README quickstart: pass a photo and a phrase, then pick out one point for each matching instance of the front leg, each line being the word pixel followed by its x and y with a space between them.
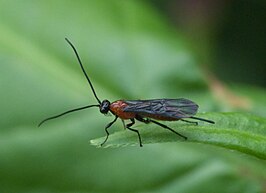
pixel 106 127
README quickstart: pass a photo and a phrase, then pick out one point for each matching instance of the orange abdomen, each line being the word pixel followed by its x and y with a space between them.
pixel 117 109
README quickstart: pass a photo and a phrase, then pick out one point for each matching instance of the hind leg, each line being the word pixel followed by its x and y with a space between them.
pixel 147 121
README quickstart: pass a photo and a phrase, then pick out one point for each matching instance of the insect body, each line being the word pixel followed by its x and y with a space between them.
pixel 146 111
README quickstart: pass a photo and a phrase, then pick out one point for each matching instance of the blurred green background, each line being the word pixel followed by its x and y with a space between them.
pixel 210 52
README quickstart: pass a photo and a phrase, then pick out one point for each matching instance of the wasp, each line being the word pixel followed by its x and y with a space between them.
pixel 146 111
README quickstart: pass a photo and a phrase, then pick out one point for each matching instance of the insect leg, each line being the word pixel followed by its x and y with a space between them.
pixel 124 125
pixel 201 119
pixel 129 125
pixel 106 127
pixel 139 118
pixel 193 122
pixel 166 127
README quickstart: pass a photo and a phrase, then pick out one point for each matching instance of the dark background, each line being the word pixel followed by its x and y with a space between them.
pixel 229 35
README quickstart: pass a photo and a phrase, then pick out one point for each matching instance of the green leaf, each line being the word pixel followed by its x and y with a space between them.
pixel 236 131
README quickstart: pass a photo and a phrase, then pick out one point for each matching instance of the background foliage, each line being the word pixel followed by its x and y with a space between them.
pixel 130 51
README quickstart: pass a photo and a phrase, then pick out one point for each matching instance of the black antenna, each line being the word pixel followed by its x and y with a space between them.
pixel 83 70
pixel 69 111
pixel 80 108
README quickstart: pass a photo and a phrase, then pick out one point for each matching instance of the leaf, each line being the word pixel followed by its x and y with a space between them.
pixel 236 131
